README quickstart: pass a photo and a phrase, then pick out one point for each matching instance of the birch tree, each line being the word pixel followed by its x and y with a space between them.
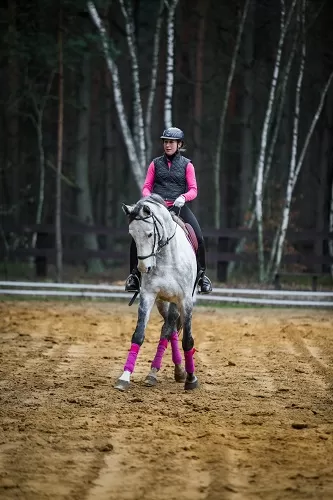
pixel 137 140
pixel 293 176
pixel 135 156
pixel 280 234
pixel 220 137
pixel 170 64
pixel 139 132
pixel 275 128
pixel 36 118
pixel 153 78
pixel 284 24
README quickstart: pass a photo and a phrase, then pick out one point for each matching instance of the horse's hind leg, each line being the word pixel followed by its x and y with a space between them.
pixel 188 345
pixel 179 372
pixel 170 315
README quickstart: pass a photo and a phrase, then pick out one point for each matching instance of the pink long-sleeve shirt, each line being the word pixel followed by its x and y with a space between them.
pixel 192 188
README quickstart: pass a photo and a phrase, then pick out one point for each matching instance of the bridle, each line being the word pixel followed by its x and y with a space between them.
pixel 157 235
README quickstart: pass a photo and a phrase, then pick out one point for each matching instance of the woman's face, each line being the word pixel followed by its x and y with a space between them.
pixel 170 146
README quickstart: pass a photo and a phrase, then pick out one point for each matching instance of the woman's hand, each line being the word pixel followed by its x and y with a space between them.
pixel 179 202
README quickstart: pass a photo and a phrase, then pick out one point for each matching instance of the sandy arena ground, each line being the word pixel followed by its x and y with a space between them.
pixel 259 427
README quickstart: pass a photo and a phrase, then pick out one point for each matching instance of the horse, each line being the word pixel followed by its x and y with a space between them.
pixel 168 266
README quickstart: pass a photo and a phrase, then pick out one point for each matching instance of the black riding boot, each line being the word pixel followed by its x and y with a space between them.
pixel 133 281
pixel 204 283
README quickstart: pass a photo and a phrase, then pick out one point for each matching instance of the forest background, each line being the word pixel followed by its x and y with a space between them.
pixel 88 87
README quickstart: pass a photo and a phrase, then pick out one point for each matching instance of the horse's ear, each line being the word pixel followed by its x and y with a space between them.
pixel 146 209
pixel 127 209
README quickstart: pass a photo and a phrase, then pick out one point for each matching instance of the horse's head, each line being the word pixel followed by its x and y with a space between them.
pixel 147 227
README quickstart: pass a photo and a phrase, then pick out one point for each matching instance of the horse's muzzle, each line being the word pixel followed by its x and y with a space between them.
pixel 144 268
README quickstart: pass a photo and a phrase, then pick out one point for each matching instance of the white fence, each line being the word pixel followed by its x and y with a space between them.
pixel 222 295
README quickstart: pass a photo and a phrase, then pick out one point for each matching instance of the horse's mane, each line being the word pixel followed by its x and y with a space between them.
pixel 155 199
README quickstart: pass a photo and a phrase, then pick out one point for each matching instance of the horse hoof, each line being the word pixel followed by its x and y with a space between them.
pixel 122 385
pixel 150 381
pixel 191 383
pixel 179 374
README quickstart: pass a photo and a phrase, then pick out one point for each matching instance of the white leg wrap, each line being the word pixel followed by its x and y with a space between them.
pixel 125 376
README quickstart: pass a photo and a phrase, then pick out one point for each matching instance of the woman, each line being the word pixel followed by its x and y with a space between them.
pixel 172 176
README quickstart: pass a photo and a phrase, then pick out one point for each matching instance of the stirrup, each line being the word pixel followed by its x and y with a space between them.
pixel 132 284
pixel 204 284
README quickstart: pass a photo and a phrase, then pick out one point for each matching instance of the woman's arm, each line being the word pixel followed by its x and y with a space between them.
pixel 149 181
pixel 192 188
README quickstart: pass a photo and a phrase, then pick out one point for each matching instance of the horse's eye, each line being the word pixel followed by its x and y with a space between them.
pixel 150 235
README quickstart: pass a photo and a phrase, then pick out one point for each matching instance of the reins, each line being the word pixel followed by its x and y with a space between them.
pixel 160 244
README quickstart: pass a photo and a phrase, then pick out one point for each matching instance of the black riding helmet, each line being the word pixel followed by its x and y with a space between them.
pixel 173 133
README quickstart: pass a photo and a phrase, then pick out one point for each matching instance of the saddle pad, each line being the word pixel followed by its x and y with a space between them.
pixel 191 236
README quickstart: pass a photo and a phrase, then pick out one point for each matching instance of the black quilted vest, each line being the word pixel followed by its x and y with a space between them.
pixel 170 182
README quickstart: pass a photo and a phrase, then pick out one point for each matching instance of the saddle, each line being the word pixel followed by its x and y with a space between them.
pixel 188 230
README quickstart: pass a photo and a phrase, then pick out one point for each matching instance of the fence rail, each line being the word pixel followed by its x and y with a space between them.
pixel 220 295
pixel 309 247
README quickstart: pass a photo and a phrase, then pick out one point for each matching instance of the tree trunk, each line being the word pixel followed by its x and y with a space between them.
pixel 246 159
pixel 138 166
pixel 110 165
pixel 259 190
pixel 38 123
pixel 138 124
pixel 153 79
pixel 83 200
pixel 293 178
pixel 330 243
pixel 58 234
pixel 41 191
pixel 321 192
pixel 13 115
pixel 202 7
pixel 220 137
pixel 169 77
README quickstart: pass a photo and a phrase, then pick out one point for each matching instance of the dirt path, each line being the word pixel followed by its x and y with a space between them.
pixel 65 433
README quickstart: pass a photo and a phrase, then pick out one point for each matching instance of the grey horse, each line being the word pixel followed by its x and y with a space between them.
pixel 168 266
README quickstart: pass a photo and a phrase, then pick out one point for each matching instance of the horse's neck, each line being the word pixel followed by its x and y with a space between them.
pixel 169 250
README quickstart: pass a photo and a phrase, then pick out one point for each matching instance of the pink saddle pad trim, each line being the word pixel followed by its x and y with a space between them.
pixel 191 236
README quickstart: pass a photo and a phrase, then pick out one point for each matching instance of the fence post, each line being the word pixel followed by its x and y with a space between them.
pixel 314 283
pixel 276 281
pixel 222 265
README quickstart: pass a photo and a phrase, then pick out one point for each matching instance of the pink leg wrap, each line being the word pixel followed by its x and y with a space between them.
pixel 157 361
pixel 189 360
pixel 176 355
pixel 131 358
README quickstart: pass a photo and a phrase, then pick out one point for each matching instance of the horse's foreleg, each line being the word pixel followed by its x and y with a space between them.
pixel 188 346
pixel 144 310
pixel 166 311
pixel 156 364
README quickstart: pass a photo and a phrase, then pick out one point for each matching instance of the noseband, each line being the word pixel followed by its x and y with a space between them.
pixel 157 236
